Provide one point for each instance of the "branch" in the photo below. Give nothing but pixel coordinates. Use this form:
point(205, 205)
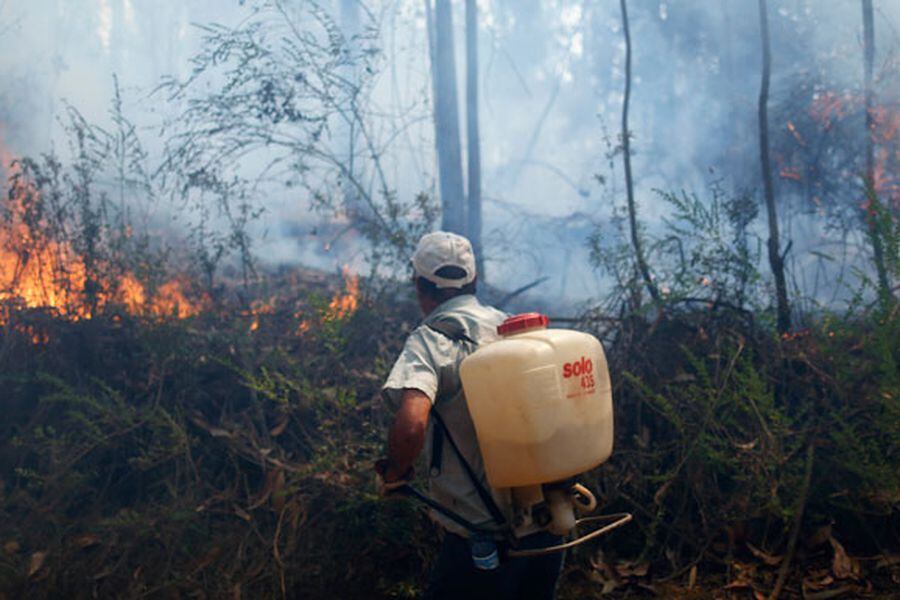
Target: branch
point(512, 295)
point(798, 521)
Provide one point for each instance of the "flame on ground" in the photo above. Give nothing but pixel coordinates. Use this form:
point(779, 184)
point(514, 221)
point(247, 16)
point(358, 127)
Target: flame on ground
point(54, 277)
point(344, 305)
point(257, 308)
point(37, 272)
point(168, 299)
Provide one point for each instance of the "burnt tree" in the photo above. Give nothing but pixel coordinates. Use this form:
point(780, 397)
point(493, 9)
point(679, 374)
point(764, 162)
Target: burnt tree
point(872, 206)
point(776, 258)
point(643, 269)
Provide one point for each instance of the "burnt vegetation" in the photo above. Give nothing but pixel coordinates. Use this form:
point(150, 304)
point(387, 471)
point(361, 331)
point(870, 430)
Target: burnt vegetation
point(179, 422)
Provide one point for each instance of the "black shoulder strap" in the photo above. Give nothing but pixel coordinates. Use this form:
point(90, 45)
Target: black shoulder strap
point(485, 495)
point(454, 330)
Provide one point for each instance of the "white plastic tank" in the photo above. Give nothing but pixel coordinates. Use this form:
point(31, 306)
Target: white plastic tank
point(541, 402)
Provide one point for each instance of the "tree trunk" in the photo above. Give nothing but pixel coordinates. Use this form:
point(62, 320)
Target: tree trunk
point(776, 260)
point(626, 155)
point(872, 206)
point(473, 209)
point(446, 120)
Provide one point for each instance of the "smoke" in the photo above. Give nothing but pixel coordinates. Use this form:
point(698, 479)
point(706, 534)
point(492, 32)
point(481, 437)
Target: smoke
point(552, 82)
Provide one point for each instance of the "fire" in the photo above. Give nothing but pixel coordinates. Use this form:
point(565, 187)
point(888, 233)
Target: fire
point(884, 179)
point(47, 275)
point(344, 305)
point(796, 134)
point(827, 107)
point(886, 123)
point(38, 272)
point(258, 308)
point(791, 173)
point(168, 300)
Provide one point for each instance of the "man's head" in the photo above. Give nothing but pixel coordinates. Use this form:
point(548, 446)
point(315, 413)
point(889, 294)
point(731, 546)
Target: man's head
point(444, 266)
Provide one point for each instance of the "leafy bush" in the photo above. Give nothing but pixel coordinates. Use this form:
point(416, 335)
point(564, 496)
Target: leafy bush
point(145, 457)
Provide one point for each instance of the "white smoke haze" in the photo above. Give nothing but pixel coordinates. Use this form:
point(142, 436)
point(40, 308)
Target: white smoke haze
point(552, 78)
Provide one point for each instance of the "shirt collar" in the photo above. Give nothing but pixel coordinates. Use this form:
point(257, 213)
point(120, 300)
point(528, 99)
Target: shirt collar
point(454, 303)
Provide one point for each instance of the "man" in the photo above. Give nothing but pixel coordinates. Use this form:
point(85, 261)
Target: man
point(432, 415)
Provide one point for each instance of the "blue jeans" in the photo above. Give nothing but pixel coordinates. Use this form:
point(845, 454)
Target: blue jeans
point(455, 577)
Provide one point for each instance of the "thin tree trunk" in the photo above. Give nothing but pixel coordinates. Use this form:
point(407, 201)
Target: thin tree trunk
point(626, 155)
point(776, 260)
point(446, 120)
point(872, 207)
point(473, 209)
point(432, 60)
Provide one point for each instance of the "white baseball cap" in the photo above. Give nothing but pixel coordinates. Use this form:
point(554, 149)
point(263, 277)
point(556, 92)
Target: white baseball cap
point(444, 249)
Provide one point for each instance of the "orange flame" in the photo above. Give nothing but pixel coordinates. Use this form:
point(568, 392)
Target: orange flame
point(37, 272)
point(169, 300)
point(886, 122)
point(258, 308)
point(796, 133)
point(344, 305)
point(826, 107)
point(49, 274)
point(791, 173)
point(884, 179)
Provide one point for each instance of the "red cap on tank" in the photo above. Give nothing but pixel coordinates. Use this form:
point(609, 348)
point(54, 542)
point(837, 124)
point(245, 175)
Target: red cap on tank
point(518, 323)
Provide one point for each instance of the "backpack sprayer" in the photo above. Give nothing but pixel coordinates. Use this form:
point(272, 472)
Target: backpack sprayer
point(541, 403)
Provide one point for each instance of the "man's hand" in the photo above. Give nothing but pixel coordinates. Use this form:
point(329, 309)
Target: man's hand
point(384, 483)
point(405, 441)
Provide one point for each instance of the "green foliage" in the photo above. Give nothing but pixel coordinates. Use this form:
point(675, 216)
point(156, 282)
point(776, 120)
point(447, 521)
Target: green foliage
point(149, 457)
point(714, 420)
point(709, 247)
point(206, 455)
point(706, 250)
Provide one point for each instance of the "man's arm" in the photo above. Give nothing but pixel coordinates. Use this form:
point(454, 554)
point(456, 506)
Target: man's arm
point(407, 434)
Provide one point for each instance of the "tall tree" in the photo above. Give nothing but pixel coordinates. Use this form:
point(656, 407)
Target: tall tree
point(473, 207)
point(626, 157)
point(776, 259)
point(872, 206)
point(446, 117)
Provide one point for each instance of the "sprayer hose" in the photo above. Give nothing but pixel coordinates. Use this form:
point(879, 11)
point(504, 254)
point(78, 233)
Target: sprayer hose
point(621, 519)
point(582, 492)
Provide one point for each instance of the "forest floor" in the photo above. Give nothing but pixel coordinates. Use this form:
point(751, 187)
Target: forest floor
point(228, 453)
